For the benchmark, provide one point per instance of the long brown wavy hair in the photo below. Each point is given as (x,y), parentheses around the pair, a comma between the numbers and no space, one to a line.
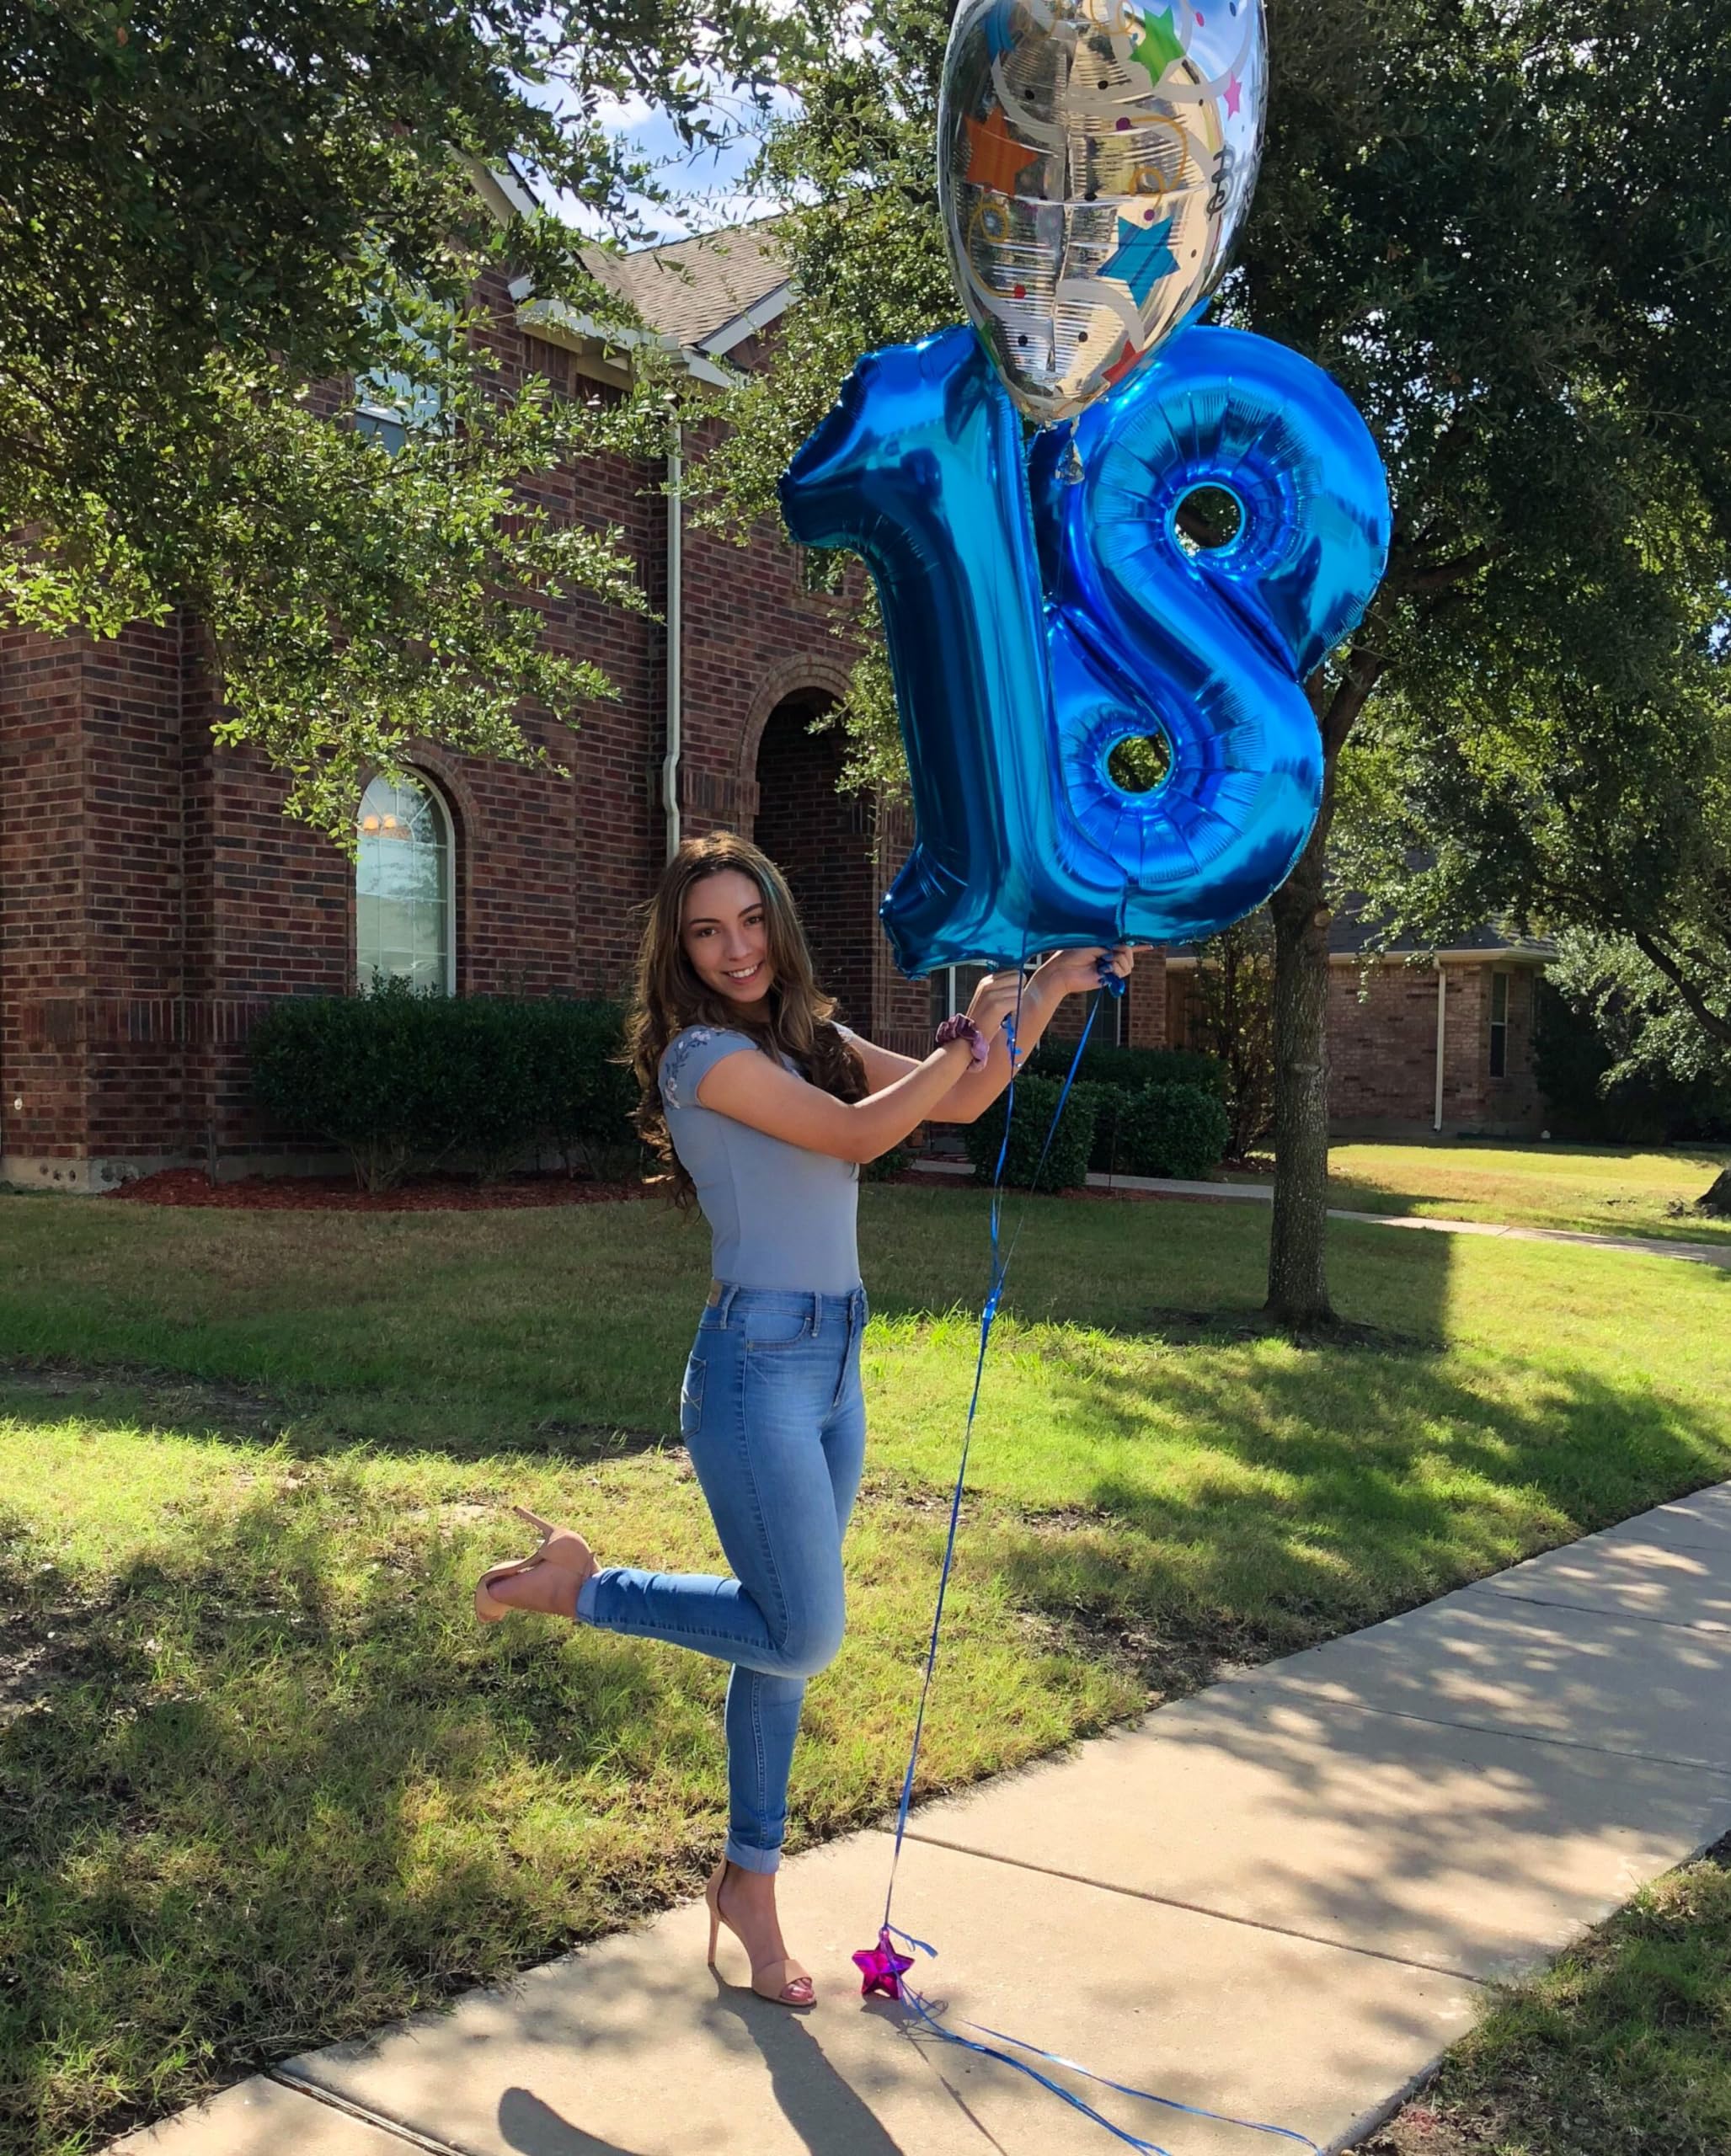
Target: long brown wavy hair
(798,1019)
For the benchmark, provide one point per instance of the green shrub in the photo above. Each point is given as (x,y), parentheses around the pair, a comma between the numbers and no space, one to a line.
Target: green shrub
(1173,1130)
(1158,1130)
(402,1081)
(1108,1103)
(1131,1070)
(1571,1060)
(1036,1101)
(360,1071)
(488,1082)
(586,1094)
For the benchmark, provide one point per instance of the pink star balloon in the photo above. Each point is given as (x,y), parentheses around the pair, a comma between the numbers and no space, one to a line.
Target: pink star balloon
(881,1968)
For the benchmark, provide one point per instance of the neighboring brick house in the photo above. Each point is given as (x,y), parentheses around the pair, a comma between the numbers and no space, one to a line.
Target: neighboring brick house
(1419,1040)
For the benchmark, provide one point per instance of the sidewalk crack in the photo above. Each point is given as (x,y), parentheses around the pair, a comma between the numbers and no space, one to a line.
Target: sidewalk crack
(411,2136)
(1201,1909)
(1712,1629)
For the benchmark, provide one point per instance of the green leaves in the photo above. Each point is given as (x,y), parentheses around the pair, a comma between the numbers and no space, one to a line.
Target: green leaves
(1505,228)
(212,218)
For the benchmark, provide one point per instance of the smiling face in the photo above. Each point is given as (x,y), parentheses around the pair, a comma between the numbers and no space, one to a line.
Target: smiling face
(724,932)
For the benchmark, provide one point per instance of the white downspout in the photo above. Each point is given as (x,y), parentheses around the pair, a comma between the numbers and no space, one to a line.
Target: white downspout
(1442,1023)
(675,580)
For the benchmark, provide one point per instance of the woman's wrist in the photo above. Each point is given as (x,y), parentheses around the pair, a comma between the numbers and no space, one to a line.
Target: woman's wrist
(961,1029)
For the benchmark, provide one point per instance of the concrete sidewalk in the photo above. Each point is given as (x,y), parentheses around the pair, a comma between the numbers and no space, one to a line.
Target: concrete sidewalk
(1263,1193)
(1280,1899)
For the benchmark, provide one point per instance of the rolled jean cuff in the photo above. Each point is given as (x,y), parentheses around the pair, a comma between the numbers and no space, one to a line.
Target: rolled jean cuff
(586,1594)
(750,1859)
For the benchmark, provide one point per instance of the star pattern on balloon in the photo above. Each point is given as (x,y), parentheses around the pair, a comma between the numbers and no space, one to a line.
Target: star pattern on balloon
(1143,258)
(996,159)
(1159,44)
(1235,91)
(881,1967)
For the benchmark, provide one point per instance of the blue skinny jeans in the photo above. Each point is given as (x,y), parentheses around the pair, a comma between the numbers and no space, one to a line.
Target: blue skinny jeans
(773,1417)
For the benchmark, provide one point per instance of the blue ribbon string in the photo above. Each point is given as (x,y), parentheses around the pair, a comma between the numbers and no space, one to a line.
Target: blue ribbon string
(999,1268)
(929,2018)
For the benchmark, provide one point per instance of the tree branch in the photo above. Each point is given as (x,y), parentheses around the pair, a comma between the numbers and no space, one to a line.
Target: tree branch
(1365,666)
(1720,1028)
(1420,584)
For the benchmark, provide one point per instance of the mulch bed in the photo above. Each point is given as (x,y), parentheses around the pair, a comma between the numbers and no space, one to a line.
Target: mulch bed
(341,1194)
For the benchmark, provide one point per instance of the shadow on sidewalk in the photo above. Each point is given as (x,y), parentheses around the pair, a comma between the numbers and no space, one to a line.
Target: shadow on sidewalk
(820,2106)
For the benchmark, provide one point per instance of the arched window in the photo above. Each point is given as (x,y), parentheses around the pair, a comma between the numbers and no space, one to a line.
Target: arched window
(405,914)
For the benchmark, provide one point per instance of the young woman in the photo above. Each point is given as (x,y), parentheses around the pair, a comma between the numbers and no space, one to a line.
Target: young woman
(762,1108)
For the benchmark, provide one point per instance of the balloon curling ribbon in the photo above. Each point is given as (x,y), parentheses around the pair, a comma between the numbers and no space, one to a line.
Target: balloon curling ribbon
(883,1967)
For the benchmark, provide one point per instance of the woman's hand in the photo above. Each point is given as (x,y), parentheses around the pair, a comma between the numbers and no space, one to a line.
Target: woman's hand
(994,1000)
(1078,972)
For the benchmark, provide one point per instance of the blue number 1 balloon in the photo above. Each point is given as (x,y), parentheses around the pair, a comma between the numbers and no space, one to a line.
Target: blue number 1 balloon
(1034,625)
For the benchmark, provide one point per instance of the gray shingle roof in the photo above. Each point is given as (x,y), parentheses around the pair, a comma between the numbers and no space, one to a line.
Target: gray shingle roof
(690,289)
(1352,930)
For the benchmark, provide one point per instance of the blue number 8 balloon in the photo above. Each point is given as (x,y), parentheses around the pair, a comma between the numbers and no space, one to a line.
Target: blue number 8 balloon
(1034,625)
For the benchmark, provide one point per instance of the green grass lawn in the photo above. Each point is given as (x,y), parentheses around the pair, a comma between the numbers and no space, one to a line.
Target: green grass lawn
(263,1782)
(1600,1190)
(1622,2047)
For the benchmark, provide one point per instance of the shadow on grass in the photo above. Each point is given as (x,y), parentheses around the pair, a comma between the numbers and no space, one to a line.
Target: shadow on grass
(1138,1268)
(266,1795)
(307,1426)
(267,1803)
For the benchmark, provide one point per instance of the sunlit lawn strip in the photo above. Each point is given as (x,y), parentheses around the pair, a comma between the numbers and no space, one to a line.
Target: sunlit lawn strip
(1591,1190)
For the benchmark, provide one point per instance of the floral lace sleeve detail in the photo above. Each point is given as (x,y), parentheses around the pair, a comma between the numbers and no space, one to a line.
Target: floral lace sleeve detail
(689,1056)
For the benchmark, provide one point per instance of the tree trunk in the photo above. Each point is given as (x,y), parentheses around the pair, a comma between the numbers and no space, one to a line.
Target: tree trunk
(1298,1262)
(1718,1199)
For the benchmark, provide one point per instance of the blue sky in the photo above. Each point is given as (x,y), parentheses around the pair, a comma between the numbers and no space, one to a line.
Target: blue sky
(707,185)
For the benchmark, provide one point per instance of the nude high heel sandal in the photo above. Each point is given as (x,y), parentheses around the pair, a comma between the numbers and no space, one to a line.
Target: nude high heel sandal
(783,1983)
(558,1551)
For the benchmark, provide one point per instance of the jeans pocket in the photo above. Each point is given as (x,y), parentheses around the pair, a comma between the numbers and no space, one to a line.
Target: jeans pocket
(773,1329)
(690,1398)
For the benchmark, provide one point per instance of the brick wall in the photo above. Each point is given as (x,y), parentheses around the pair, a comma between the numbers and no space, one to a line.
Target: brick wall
(43,930)
(154,900)
(1382,1047)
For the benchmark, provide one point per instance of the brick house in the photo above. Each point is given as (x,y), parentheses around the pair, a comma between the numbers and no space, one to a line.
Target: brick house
(1419,1041)
(154,901)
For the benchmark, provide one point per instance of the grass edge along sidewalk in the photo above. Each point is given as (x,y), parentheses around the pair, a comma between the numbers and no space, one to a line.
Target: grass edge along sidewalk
(1621,2048)
(276,1791)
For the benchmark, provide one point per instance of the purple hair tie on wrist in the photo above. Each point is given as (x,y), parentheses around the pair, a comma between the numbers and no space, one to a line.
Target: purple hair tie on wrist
(962,1028)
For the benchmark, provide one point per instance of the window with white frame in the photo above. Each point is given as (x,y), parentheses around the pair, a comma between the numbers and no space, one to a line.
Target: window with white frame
(388,405)
(1499,1025)
(952,989)
(393,403)
(405,906)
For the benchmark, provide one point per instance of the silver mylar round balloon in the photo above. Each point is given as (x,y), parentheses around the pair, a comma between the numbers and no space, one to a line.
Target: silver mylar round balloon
(1095,159)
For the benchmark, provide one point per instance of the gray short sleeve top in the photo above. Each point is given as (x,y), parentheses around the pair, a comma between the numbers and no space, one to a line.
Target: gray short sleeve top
(781,1216)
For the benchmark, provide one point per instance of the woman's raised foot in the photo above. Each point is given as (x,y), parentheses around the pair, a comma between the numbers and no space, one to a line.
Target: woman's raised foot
(547,1582)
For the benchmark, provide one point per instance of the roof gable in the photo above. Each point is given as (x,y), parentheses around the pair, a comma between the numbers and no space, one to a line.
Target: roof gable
(705,293)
